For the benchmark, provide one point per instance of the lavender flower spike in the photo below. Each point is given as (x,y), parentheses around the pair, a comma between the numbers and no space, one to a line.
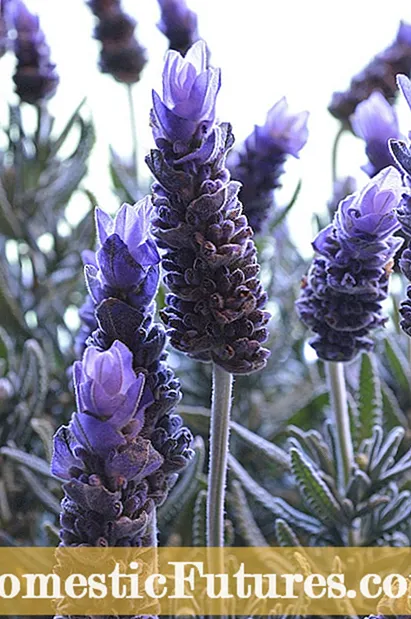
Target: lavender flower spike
(35,78)
(260,164)
(126,348)
(348,280)
(375,121)
(121,54)
(215,311)
(102,456)
(179,24)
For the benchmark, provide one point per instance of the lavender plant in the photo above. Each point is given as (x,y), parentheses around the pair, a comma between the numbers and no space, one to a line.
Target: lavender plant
(124,446)
(260,164)
(179,24)
(215,309)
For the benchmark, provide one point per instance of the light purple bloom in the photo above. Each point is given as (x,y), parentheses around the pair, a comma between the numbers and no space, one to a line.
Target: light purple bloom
(132,225)
(367,218)
(375,119)
(189,94)
(108,395)
(287,131)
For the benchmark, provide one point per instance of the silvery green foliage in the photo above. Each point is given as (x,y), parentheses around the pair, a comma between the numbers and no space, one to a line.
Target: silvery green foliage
(25,444)
(40,271)
(39,172)
(374,509)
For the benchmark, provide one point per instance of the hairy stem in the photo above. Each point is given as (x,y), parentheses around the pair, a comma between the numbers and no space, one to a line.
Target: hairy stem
(217,473)
(338,392)
(133,126)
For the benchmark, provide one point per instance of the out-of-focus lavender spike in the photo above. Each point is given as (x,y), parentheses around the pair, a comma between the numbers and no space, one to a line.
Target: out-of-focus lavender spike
(379,74)
(259,165)
(179,24)
(375,121)
(121,54)
(35,78)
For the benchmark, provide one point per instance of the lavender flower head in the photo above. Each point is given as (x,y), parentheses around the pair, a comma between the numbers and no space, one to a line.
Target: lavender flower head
(348,280)
(121,54)
(260,164)
(35,78)
(179,24)
(215,309)
(124,446)
(101,455)
(375,121)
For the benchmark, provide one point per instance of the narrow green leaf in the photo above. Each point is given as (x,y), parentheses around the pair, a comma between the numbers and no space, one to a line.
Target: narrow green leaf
(31,461)
(275,505)
(393,415)
(398,365)
(186,487)
(369,398)
(262,447)
(317,495)
(285,535)
(199,519)
(42,493)
(244,519)
(58,143)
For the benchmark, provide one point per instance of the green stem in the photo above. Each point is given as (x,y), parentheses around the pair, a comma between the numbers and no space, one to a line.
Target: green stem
(217,473)
(334,157)
(338,392)
(133,124)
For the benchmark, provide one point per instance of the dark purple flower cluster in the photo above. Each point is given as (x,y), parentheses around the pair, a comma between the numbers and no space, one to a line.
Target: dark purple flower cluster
(35,78)
(121,54)
(215,311)
(179,24)
(348,280)
(375,121)
(126,394)
(260,164)
(379,75)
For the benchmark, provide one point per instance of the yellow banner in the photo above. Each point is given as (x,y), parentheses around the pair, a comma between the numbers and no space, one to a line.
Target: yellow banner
(201,581)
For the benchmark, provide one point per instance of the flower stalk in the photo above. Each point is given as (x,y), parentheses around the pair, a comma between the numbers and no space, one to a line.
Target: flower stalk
(335,375)
(219,447)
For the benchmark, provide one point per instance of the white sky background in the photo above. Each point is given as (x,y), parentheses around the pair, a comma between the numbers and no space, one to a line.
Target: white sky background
(266,49)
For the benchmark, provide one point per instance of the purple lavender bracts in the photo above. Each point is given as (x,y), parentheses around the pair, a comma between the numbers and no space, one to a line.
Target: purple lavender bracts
(215,311)
(123,277)
(375,121)
(259,165)
(348,280)
(101,455)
